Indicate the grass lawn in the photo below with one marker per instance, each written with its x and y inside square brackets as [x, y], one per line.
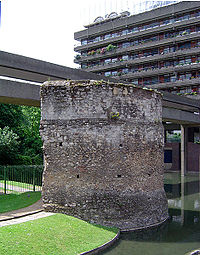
[58, 234]
[12, 202]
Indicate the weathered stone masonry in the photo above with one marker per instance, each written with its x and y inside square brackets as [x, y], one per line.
[103, 149]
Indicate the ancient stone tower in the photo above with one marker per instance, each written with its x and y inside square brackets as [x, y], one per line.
[103, 149]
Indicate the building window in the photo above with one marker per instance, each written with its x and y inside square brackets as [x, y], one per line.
[178, 19]
[114, 35]
[107, 36]
[188, 76]
[107, 61]
[172, 48]
[125, 32]
[125, 70]
[135, 29]
[197, 14]
[107, 74]
[97, 39]
[114, 73]
[181, 62]
[166, 50]
[135, 82]
[166, 22]
[186, 17]
[166, 78]
[154, 80]
[83, 66]
[126, 44]
[173, 78]
[155, 24]
[125, 57]
[181, 77]
[168, 63]
[188, 61]
[154, 51]
[114, 60]
[147, 81]
[83, 42]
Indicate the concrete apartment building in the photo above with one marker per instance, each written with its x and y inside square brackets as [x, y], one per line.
[158, 49]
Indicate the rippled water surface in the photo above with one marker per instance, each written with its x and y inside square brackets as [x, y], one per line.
[181, 234]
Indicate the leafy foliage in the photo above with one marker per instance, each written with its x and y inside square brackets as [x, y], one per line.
[8, 145]
[21, 126]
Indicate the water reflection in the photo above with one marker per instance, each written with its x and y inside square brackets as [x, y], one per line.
[180, 234]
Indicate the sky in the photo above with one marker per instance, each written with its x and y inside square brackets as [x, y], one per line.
[44, 29]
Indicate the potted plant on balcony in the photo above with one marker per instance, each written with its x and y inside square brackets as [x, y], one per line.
[110, 47]
[77, 57]
[93, 52]
[103, 50]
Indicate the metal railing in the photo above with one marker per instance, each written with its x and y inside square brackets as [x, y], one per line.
[15, 179]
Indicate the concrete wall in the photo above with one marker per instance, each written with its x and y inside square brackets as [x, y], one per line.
[193, 157]
[176, 163]
[103, 149]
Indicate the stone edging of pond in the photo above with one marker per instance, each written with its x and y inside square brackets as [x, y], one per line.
[102, 247]
[146, 227]
[109, 243]
[195, 252]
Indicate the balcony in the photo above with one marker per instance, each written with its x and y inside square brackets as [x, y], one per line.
[176, 84]
[143, 60]
[121, 51]
[127, 37]
[161, 71]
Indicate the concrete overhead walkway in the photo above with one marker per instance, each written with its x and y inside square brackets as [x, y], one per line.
[31, 212]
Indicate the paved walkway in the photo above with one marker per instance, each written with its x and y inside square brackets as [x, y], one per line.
[31, 212]
[15, 188]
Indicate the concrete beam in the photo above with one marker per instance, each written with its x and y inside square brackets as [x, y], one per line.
[180, 100]
[20, 93]
[25, 68]
[171, 126]
[180, 117]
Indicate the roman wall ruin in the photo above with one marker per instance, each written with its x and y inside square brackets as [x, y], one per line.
[103, 151]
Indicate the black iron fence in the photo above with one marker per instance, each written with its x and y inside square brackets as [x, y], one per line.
[14, 179]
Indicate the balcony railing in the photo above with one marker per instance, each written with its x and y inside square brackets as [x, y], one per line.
[161, 28]
[161, 70]
[131, 62]
[149, 45]
[176, 84]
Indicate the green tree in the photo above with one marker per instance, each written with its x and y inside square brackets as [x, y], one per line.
[32, 143]
[11, 116]
[24, 122]
[8, 145]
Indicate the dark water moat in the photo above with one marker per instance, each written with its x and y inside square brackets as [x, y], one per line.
[178, 236]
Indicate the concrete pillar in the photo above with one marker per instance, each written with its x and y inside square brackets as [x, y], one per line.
[165, 135]
[184, 139]
[182, 199]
